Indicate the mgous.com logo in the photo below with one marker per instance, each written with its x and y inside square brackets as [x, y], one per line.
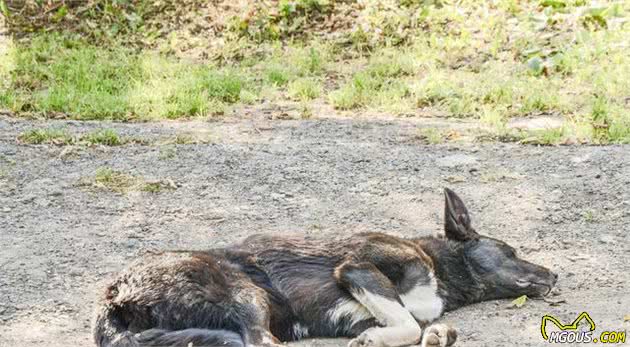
[569, 333]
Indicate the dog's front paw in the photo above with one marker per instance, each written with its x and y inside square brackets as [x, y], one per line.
[368, 338]
[439, 335]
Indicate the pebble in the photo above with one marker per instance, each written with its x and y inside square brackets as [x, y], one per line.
[456, 160]
[606, 239]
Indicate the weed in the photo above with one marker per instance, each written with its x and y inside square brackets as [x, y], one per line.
[589, 216]
[106, 137]
[167, 152]
[545, 137]
[116, 181]
[277, 76]
[432, 135]
[305, 111]
[158, 186]
[346, 98]
[189, 139]
[499, 176]
[46, 136]
[310, 62]
[152, 187]
[304, 89]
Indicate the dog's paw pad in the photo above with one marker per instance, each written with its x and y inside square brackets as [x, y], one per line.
[367, 339]
[439, 335]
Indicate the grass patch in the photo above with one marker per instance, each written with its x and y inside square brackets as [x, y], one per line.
[189, 139]
[46, 136]
[305, 111]
[499, 175]
[158, 186]
[55, 136]
[56, 74]
[106, 178]
[117, 181]
[167, 153]
[432, 136]
[304, 89]
[545, 137]
[106, 137]
[589, 216]
[277, 75]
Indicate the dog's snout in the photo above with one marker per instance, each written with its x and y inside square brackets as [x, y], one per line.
[555, 277]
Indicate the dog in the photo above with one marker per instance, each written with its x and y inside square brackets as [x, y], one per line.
[379, 290]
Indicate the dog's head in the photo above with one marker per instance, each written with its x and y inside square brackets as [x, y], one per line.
[492, 262]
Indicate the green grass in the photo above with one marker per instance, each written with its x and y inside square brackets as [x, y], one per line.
[277, 75]
[487, 61]
[304, 89]
[545, 137]
[56, 74]
[589, 216]
[59, 74]
[158, 186]
[432, 136]
[167, 152]
[46, 136]
[189, 139]
[117, 181]
[104, 137]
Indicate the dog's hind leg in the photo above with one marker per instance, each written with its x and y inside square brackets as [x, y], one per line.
[375, 291]
[255, 308]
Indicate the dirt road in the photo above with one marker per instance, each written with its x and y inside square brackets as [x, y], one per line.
[565, 207]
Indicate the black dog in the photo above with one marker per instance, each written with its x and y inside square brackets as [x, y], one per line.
[380, 289]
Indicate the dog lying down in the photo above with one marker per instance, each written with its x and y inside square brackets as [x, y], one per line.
[378, 289]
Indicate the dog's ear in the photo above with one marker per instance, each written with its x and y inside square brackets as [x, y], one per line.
[456, 219]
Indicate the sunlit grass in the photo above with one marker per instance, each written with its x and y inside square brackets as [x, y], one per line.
[488, 61]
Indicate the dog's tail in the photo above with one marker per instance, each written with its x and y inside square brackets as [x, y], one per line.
[110, 330]
[189, 337]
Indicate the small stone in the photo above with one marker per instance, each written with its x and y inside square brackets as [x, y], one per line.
[456, 160]
[606, 239]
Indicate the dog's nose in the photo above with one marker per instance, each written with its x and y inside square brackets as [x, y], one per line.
[555, 277]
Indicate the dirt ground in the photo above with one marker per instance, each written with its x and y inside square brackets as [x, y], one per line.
[564, 207]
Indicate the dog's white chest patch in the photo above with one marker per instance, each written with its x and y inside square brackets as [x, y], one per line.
[423, 302]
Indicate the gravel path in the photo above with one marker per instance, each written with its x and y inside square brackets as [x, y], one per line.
[565, 207]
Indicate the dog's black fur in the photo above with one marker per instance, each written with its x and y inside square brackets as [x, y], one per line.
[269, 289]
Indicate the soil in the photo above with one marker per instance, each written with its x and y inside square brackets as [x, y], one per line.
[567, 208]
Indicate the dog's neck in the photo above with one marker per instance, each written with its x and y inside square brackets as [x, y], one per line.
[457, 285]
